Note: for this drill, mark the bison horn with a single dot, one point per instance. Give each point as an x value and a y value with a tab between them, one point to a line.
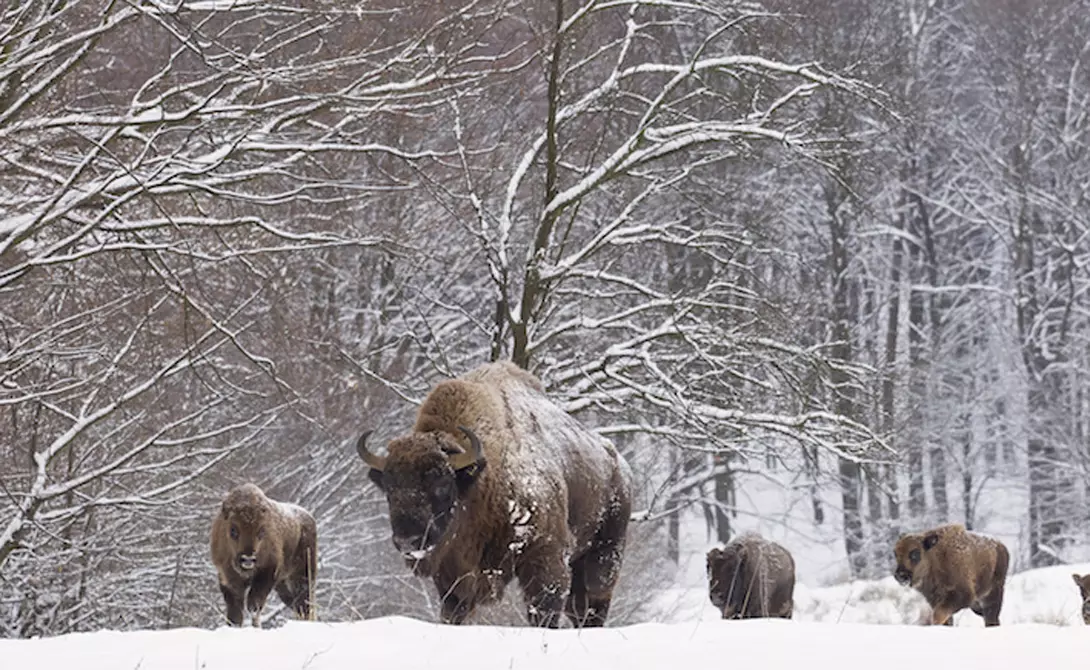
464	459
375	462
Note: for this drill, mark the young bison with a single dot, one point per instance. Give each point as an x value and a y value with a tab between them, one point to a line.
953	569
1083	583
751	578
259	544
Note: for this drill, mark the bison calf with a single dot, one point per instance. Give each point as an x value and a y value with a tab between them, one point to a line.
259	544
1083	583
953	569
751	578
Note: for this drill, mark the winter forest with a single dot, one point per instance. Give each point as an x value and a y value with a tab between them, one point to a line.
837	253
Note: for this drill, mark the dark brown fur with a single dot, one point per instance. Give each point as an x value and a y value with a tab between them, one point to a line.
751	578
1083	582
953	569
280	540
546	502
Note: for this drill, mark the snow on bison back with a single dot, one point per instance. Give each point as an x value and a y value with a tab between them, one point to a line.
405	644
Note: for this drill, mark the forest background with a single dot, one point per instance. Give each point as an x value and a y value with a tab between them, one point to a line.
836	250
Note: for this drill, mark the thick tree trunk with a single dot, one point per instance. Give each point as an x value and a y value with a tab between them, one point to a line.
848	470
917	502
724	497
889	387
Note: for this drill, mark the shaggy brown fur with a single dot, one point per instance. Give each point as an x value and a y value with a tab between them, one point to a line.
259	544
497	482
1083	583
751	578
954	569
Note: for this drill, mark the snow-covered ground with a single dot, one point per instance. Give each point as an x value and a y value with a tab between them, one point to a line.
1044	596
837	623
405	644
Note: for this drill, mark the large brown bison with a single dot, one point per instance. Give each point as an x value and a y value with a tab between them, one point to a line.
497	482
953	569
259	544
751	578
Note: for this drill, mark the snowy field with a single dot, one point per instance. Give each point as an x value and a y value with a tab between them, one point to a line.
847	625
1044	596
405	644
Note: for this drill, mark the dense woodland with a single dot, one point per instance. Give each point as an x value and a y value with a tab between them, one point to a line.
847	239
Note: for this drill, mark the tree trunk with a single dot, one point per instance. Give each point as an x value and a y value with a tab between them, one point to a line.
889	426
917	503
848	470
724	496
941	504
967	470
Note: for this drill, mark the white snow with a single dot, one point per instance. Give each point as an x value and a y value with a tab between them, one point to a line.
291	510
402	643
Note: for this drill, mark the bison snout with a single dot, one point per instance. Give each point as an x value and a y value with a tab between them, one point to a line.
411	545
247	561
903	576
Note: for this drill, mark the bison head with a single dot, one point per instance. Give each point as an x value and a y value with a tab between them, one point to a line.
246	534
909	552
723	566
423	477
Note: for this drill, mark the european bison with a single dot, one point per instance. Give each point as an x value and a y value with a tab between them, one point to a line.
495	482
953	569
751	578
1083	583
259	544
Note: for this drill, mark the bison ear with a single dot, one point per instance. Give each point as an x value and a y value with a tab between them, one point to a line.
930	540
375	475
467	476
223	510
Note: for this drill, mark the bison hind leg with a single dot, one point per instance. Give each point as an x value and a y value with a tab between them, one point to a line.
989	607
297	597
588	601
593	576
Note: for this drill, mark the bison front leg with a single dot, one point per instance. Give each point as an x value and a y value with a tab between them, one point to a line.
545	585
259	591
233	601
457	597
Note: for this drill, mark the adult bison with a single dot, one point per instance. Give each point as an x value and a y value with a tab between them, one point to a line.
495	482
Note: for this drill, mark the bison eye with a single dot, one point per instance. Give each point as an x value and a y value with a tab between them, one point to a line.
261	534
443	489
914	556
234	532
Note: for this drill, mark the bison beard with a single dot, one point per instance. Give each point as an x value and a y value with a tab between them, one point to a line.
496	482
257	545
953	569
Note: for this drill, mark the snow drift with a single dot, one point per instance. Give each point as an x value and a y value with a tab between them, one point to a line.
406	644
